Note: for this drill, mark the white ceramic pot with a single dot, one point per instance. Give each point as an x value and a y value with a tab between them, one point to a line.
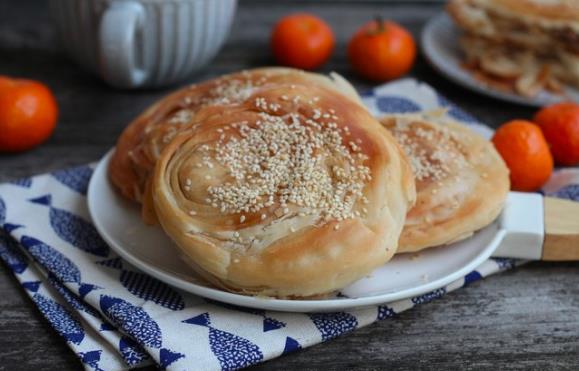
143	43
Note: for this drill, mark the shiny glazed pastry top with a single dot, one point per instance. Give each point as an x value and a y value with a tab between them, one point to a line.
142	142
461	180
296	191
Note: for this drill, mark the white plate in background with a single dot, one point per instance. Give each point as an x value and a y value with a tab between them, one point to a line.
440	45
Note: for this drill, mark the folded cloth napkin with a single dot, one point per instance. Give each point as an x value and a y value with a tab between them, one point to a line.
115	317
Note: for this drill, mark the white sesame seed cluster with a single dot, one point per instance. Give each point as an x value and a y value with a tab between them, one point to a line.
225	91
142	143
433	153
293	163
181	117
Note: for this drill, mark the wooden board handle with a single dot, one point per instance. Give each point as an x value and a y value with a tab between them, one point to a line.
561	230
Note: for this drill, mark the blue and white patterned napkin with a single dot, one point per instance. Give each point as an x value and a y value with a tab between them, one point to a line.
115	317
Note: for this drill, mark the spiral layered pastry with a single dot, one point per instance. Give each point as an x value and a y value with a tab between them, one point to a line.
295	191
461	180
142	142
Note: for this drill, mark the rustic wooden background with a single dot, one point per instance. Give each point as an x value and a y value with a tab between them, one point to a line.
525	319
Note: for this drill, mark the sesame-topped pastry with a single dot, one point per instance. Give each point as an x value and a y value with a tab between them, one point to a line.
461	180
297	191
141	143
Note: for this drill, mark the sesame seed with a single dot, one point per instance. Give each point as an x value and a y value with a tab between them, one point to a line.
274	107
192	212
242	218
434	152
261	103
336	227
181	117
280	160
230	91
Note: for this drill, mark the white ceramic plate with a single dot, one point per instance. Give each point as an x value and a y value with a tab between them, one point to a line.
148	248
441	47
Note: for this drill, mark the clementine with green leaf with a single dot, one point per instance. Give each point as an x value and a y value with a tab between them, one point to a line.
302	41
382	50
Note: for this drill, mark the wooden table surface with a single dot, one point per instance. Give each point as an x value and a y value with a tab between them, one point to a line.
524	319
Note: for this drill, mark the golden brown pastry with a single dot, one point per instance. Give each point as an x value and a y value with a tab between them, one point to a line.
141	143
297	191
514	69
461	180
520	45
534	24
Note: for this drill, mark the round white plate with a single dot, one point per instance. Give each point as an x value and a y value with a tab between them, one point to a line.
408	275
440	45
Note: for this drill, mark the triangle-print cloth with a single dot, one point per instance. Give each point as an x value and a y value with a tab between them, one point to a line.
115	317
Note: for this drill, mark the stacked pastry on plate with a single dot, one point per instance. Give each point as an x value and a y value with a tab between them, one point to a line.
520	45
280	183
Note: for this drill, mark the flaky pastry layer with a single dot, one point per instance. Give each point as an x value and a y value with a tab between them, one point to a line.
540	25
461	180
142	142
295	192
